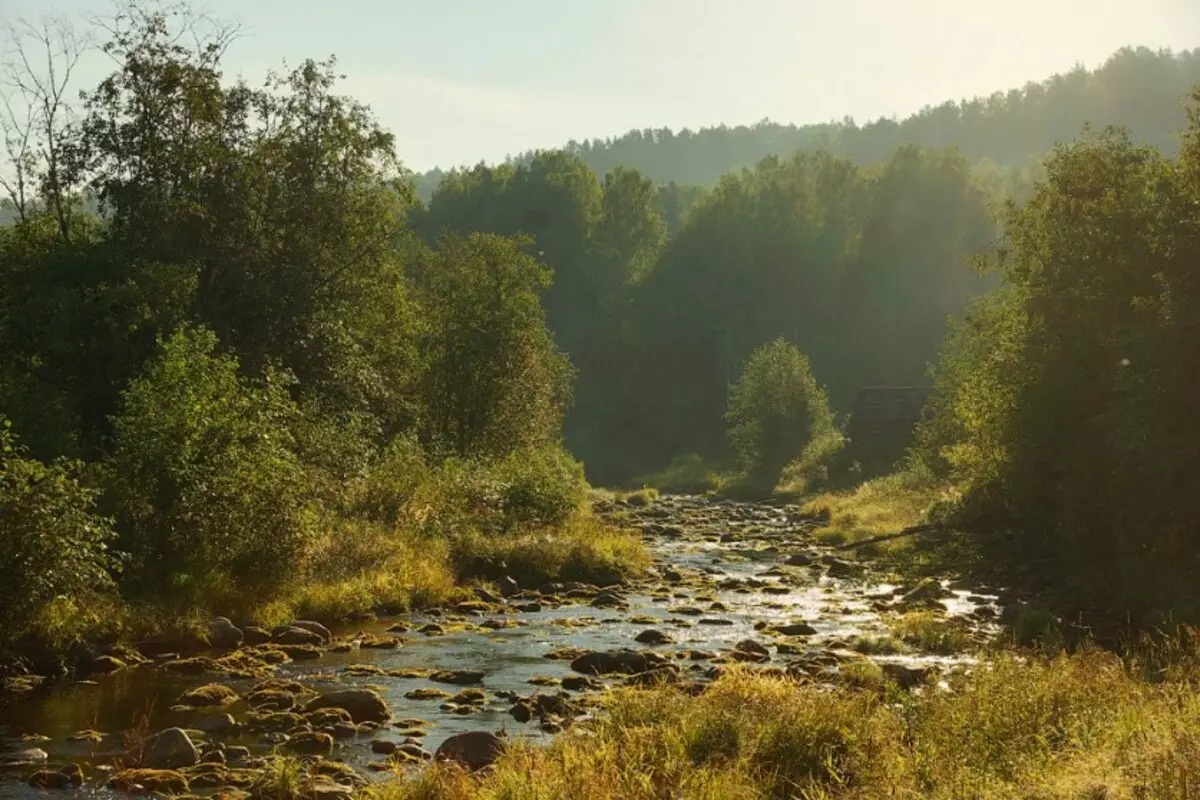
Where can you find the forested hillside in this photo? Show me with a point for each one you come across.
(1136, 88)
(858, 266)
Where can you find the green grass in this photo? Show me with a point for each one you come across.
(879, 506)
(1064, 728)
(584, 549)
(931, 632)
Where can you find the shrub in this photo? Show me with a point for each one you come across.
(776, 409)
(207, 488)
(55, 546)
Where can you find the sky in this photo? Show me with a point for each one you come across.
(463, 81)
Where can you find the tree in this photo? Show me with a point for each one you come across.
(775, 410)
(494, 381)
(203, 478)
(55, 544)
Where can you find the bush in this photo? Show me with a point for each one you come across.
(207, 489)
(776, 409)
(55, 545)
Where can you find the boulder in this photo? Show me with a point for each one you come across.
(171, 749)
(314, 627)
(459, 677)
(219, 723)
(311, 743)
(652, 636)
(223, 634)
(363, 705)
(795, 629)
(213, 694)
(798, 560)
(751, 646)
(474, 750)
(45, 779)
(627, 662)
(507, 586)
(292, 635)
(252, 635)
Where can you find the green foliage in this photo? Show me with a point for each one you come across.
(55, 545)
(203, 476)
(776, 410)
(495, 381)
(1064, 412)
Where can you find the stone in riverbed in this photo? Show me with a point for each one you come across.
(171, 749)
(459, 677)
(146, 781)
(652, 636)
(361, 704)
(751, 646)
(795, 629)
(292, 635)
(507, 586)
(313, 627)
(223, 634)
(580, 683)
(474, 750)
(627, 662)
(312, 743)
(213, 694)
(252, 635)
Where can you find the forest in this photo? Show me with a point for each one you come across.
(251, 366)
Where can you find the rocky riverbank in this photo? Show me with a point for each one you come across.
(733, 583)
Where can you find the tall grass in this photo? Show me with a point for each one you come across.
(1067, 727)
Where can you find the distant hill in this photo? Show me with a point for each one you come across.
(1136, 88)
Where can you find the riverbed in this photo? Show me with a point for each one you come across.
(724, 573)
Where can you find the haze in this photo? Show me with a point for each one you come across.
(459, 82)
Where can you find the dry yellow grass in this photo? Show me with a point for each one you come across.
(1064, 728)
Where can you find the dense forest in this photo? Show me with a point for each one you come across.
(1135, 88)
(252, 385)
(231, 335)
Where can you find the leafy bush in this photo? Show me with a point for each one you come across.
(55, 545)
(776, 409)
(207, 488)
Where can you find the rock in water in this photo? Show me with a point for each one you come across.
(313, 743)
(290, 634)
(628, 662)
(460, 677)
(751, 646)
(507, 586)
(652, 637)
(172, 749)
(473, 749)
(224, 634)
(314, 627)
(363, 705)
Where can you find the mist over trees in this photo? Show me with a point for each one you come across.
(1137, 88)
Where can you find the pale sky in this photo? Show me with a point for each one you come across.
(459, 81)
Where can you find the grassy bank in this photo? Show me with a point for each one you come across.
(351, 573)
(880, 506)
(1083, 726)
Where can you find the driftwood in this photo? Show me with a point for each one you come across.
(910, 531)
